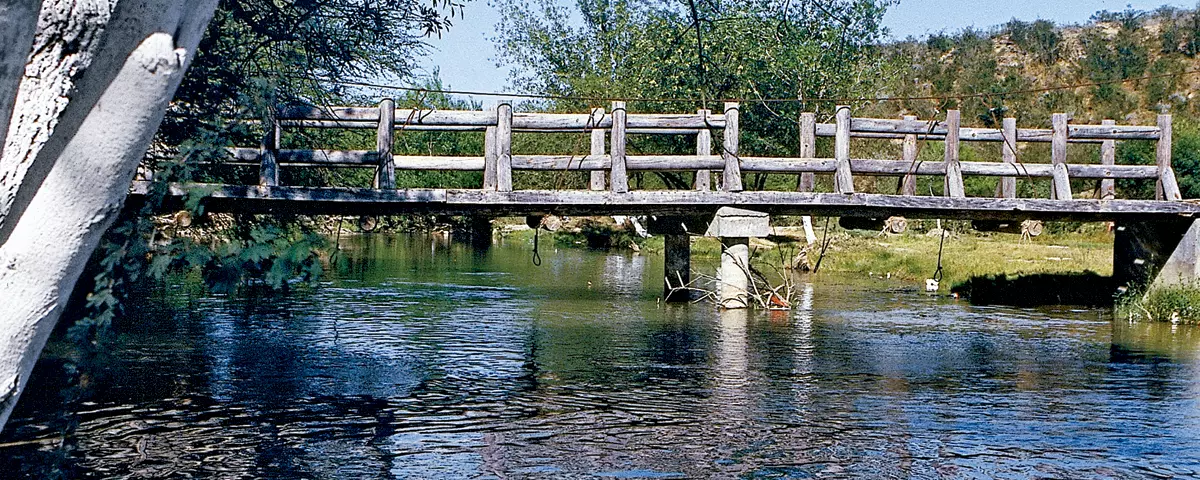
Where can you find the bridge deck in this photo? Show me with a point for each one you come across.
(367, 201)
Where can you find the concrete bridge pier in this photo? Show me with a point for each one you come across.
(735, 227)
(1156, 253)
(677, 253)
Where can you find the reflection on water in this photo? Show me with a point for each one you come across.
(424, 359)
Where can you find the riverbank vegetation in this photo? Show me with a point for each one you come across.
(1171, 303)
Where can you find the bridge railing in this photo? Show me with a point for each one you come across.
(609, 169)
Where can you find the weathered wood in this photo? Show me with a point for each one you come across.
(703, 180)
(597, 180)
(954, 179)
(618, 178)
(585, 202)
(504, 115)
(682, 163)
(491, 158)
(1162, 152)
(808, 149)
(446, 163)
(1108, 156)
(385, 175)
(268, 170)
(1170, 186)
(1061, 181)
(843, 179)
(1008, 153)
(908, 183)
(1058, 151)
(731, 176)
(896, 129)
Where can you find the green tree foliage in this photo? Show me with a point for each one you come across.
(1039, 38)
(706, 51)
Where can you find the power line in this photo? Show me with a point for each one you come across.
(584, 98)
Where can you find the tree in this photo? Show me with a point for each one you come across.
(700, 51)
(67, 164)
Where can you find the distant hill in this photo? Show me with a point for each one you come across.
(1023, 56)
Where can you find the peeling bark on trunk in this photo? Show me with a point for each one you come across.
(75, 141)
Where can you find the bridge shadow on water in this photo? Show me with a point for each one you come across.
(1082, 289)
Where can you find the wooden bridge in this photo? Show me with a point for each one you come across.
(609, 166)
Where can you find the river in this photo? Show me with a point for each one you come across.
(419, 358)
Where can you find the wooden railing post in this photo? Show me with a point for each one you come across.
(843, 178)
(268, 170)
(490, 158)
(1058, 156)
(385, 173)
(703, 148)
(908, 184)
(808, 149)
(618, 177)
(731, 178)
(954, 180)
(1008, 152)
(1162, 153)
(504, 180)
(597, 176)
(1108, 156)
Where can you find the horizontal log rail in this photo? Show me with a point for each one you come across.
(609, 168)
(874, 167)
(373, 201)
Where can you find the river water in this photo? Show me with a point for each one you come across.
(418, 358)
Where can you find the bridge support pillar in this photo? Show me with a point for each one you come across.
(678, 267)
(481, 233)
(1151, 254)
(735, 227)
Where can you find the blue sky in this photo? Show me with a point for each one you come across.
(466, 57)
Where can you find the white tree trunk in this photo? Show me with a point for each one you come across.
(70, 167)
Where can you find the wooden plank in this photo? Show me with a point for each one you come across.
(843, 179)
(329, 157)
(1162, 152)
(731, 176)
(703, 180)
(1108, 156)
(897, 128)
(268, 169)
(908, 183)
(361, 114)
(618, 179)
(1170, 185)
(439, 163)
(1061, 182)
(504, 115)
(252, 199)
(646, 123)
(808, 149)
(491, 159)
(1008, 153)
(965, 134)
(1058, 151)
(1112, 131)
(385, 174)
(954, 179)
(597, 179)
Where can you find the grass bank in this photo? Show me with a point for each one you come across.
(912, 256)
